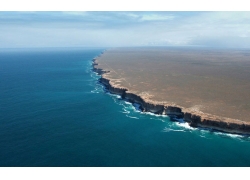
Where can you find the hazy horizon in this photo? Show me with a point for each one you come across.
(124, 29)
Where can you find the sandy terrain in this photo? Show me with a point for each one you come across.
(212, 81)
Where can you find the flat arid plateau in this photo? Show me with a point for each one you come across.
(210, 86)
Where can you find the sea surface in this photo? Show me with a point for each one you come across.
(53, 112)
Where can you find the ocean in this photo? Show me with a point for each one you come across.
(54, 113)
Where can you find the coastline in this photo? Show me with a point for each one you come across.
(193, 117)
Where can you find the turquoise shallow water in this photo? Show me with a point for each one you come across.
(53, 112)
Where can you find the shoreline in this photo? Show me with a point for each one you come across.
(193, 117)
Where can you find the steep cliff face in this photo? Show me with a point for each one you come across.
(134, 98)
(230, 126)
(194, 119)
(104, 81)
(145, 106)
(112, 89)
(154, 108)
(99, 71)
(174, 111)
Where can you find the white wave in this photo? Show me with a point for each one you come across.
(170, 129)
(185, 125)
(125, 111)
(132, 117)
(94, 91)
(130, 107)
(203, 136)
(113, 95)
(179, 120)
(155, 115)
(209, 133)
(124, 105)
(126, 102)
(229, 135)
(121, 103)
(135, 110)
(95, 75)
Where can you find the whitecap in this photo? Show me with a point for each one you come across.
(155, 115)
(125, 111)
(126, 102)
(132, 117)
(229, 135)
(185, 125)
(130, 107)
(113, 95)
(94, 91)
(203, 136)
(170, 129)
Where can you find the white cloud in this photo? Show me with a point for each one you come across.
(224, 29)
(156, 17)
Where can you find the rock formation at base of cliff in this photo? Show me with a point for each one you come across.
(193, 117)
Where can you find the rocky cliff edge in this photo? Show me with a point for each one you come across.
(195, 118)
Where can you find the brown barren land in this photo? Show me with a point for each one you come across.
(207, 87)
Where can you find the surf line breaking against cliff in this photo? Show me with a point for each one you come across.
(194, 119)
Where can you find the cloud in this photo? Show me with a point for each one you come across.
(46, 29)
(156, 17)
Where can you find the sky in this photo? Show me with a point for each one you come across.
(27, 29)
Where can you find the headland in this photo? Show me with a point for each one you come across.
(207, 88)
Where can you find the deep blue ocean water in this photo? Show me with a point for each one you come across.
(53, 112)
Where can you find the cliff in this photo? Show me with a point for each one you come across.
(193, 117)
